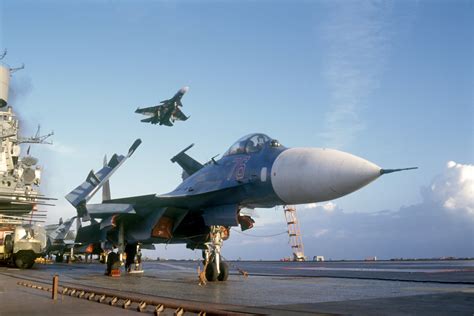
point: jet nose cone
(184, 89)
(308, 175)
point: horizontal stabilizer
(148, 120)
(385, 171)
(95, 181)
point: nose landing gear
(215, 269)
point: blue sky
(388, 81)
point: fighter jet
(60, 238)
(167, 112)
(256, 171)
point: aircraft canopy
(248, 144)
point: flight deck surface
(350, 287)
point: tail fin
(94, 181)
(188, 164)
(62, 229)
(106, 187)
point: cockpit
(251, 144)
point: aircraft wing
(94, 181)
(148, 110)
(157, 114)
(179, 115)
(106, 210)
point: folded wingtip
(134, 146)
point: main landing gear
(215, 269)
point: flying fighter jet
(167, 112)
(256, 171)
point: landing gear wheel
(211, 272)
(224, 268)
(24, 261)
(8, 244)
(59, 258)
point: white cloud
(320, 232)
(328, 206)
(454, 189)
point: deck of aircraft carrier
(277, 288)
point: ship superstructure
(20, 174)
(22, 240)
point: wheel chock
(202, 276)
(159, 309)
(113, 301)
(126, 304)
(102, 298)
(141, 306)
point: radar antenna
(37, 139)
(12, 70)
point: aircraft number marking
(239, 167)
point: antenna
(12, 70)
(37, 139)
(213, 159)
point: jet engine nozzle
(308, 175)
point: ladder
(294, 233)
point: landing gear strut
(214, 267)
